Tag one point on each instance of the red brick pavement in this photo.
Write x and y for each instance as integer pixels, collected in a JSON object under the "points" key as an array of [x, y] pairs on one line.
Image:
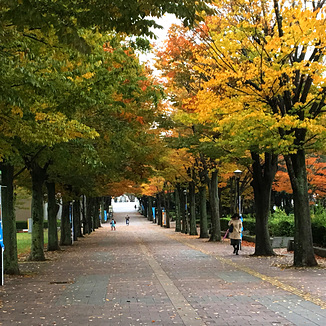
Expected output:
{"points": [[143, 274]]}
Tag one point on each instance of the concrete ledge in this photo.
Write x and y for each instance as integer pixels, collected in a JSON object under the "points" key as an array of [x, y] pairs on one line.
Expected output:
{"points": [[317, 250], [280, 242], [288, 243], [320, 251]]}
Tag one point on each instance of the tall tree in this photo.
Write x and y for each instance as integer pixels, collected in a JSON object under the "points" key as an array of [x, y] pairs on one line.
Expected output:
{"points": [[267, 60], [53, 242], [262, 184], [38, 175], [68, 17], [215, 234], [10, 258]]}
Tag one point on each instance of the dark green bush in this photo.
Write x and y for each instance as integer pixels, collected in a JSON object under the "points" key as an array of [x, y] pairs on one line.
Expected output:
{"points": [[224, 223], [319, 234], [281, 228], [20, 225], [318, 226], [248, 224], [281, 225]]}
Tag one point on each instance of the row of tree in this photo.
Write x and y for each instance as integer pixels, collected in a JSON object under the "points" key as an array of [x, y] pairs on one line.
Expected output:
{"points": [[248, 85], [76, 106], [81, 115]]}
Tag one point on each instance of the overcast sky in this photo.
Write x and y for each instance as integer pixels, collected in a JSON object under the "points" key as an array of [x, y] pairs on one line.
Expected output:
{"points": [[166, 21]]}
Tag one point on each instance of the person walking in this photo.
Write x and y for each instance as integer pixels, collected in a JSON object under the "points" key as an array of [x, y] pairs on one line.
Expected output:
{"points": [[127, 219], [235, 227], [112, 224]]}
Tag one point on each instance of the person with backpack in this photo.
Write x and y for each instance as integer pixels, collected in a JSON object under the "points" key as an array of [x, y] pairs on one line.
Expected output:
{"points": [[113, 223], [235, 228]]}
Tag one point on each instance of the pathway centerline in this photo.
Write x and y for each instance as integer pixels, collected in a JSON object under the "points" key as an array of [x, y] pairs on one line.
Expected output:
{"points": [[186, 312]]}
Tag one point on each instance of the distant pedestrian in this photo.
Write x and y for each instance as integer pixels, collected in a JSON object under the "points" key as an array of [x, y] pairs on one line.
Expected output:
{"points": [[127, 219], [235, 227], [113, 223], [135, 206]]}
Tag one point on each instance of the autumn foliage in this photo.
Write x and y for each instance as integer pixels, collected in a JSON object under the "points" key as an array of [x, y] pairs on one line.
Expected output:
{"points": [[316, 173]]}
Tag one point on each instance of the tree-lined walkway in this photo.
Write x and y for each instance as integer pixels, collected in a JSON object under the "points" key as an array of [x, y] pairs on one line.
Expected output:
{"points": [[143, 274]]}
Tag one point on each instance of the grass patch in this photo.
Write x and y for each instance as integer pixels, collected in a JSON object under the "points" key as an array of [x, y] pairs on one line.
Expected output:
{"points": [[24, 241]]}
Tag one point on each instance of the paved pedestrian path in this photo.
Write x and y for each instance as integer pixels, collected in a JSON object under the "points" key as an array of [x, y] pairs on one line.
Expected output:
{"points": [[143, 274]]}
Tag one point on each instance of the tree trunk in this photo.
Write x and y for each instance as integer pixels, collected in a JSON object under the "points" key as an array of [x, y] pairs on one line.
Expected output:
{"points": [[150, 208], [37, 247], [65, 239], [159, 209], [203, 213], [96, 213], [303, 242], [183, 210], [192, 196], [145, 206], [77, 220], [107, 204], [89, 211], [263, 177], [177, 209], [53, 243], [84, 216], [214, 204], [167, 209], [102, 199], [74, 218], [10, 258]]}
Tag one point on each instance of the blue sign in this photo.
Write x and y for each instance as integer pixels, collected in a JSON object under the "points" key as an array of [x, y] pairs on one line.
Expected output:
{"points": [[153, 209], [105, 216], [1, 237], [70, 213]]}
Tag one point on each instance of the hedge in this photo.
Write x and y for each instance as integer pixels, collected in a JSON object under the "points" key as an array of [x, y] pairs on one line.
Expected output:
{"points": [[282, 225], [21, 225], [248, 224]]}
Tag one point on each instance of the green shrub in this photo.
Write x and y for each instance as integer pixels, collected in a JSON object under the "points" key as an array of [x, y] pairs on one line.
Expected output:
{"points": [[20, 225], [281, 224], [248, 224], [318, 226], [319, 234], [172, 215], [281, 228], [224, 223]]}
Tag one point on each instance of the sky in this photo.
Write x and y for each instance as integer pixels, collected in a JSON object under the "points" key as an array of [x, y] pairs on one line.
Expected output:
{"points": [[166, 21]]}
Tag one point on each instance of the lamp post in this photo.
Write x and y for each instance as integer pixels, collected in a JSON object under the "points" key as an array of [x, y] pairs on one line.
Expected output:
{"points": [[237, 174]]}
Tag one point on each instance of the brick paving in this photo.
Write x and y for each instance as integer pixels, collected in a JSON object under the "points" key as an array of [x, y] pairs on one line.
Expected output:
{"points": [[143, 274]]}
